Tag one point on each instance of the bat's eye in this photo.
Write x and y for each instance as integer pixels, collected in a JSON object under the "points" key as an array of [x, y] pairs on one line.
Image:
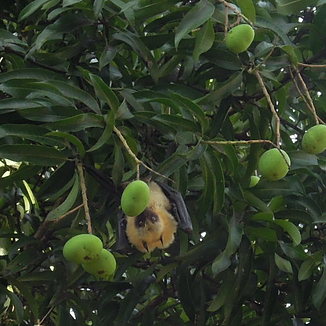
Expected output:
{"points": [[153, 218], [140, 223]]}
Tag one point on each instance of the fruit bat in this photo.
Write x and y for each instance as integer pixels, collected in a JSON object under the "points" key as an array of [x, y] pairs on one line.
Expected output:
{"points": [[157, 225]]}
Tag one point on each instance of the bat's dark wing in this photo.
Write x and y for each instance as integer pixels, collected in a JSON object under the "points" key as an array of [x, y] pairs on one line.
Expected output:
{"points": [[179, 208], [123, 246]]}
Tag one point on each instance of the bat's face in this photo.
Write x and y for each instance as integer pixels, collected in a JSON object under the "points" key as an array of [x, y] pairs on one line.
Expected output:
{"points": [[148, 221], [155, 227]]}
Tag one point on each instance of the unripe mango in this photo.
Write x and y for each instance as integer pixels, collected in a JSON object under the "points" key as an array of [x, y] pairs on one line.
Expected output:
{"points": [[239, 38], [314, 140], [103, 266], [82, 248], [253, 181], [135, 198], [274, 164]]}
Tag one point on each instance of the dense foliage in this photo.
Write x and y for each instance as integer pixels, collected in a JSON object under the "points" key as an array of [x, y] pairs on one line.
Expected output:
{"points": [[79, 76]]}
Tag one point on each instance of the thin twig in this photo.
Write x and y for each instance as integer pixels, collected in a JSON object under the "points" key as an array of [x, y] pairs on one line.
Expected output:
{"points": [[238, 142], [271, 105], [307, 94], [301, 93], [134, 157], [311, 65], [237, 22], [45, 316], [45, 225], [228, 5], [226, 20], [84, 196]]}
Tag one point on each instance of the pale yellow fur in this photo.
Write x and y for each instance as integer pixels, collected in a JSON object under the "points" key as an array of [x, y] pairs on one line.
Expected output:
{"points": [[152, 233]]}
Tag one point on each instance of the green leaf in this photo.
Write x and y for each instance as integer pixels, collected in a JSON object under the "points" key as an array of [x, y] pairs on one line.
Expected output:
{"points": [[77, 122], [272, 25], [290, 50], [67, 204], [319, 291], [195, 17], [106, 133], [223, 89], [276, 203], [291, 229], [118, 165], [36, 154], [25, 131], [291, 7], [262, 216], [29, 73], [176, 122], [98, 6], [248, 9], [261, 233], [255, 201], [136, 44], [76, 93], [24, 172], [104, 92], [306, 269], [10, 104], [223, 294], [31, 8], [64, 24], [222, 262], [204, 39], [71, 138], [215, 167], [283, 264], [18, 307], [30, 193], [171, 164]]}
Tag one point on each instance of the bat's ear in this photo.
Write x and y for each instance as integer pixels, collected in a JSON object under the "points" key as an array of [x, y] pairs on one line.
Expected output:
{"points": [[122, 246], [179, 207]]}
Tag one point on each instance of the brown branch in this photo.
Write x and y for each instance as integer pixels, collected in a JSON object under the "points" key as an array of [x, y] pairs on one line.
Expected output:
{"points": [[271, 105], [308, 97], [300, 92], [238, 142], [134, 157], [311, 65], [84, 196], [226, 21], [46, 224]]}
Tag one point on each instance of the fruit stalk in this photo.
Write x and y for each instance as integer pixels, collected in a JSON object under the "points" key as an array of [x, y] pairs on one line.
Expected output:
{"points": [[228, 5], [84, 197]]}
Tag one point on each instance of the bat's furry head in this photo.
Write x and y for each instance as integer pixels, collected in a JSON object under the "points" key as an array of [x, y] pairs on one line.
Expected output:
{"points": [[148, 221]]}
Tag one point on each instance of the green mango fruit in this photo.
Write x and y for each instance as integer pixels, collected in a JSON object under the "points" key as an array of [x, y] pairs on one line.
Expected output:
{"points": [[274, 164], [239, 38], [253, 181], [314, 140], [82, 248], [135, 198], [103, 266]]}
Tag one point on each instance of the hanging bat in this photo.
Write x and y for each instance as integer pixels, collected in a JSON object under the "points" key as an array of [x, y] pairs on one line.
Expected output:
{"points": [[157, 225]]}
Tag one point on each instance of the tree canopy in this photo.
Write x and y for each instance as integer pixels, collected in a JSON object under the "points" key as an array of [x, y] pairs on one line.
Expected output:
{"points": [[93, 93]]}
